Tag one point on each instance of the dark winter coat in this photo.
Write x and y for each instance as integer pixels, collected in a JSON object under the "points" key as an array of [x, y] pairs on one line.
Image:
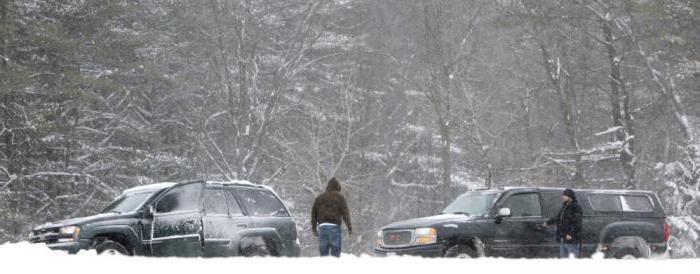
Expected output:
{"points": [[330, 207], [569, 222]]}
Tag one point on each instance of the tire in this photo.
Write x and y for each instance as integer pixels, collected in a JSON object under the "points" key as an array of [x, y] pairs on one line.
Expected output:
{"points": [[628, 253], [461, 252], [109, 247], [254, 247], [256, 251]]}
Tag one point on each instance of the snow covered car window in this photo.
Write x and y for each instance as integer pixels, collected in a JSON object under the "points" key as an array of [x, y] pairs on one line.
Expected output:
{"points": [[215, 202], [233, 207], [262, 203], [634, 203], [180, 198]]}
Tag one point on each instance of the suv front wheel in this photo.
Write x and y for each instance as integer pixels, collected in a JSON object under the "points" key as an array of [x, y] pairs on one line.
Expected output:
{"points": [[461, 252], [108, 247]]}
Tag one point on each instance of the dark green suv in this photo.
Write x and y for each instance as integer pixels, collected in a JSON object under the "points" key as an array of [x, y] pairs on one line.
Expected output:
{"points": [[191, 219]]}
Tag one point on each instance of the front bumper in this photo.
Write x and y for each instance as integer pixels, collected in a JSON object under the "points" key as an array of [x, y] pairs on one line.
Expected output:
{"points": [[71, 247], [434, 250]]}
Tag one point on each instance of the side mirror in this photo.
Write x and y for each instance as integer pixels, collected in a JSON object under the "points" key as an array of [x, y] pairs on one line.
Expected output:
{"points": [[148, 211], [504, 212]]}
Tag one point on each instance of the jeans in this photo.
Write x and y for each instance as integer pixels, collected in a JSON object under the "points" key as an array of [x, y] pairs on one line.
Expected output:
{"points": [[567, 250], [329, 240]]}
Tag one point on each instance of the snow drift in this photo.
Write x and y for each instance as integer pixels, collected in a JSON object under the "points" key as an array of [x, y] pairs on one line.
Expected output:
{"points": [[25, 257]]}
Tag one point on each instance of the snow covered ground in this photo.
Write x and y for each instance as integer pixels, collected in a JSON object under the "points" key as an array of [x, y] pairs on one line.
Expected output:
{"points": [[27, 258]]}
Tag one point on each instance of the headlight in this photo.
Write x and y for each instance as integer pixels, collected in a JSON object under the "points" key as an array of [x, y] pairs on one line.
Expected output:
{"points": [[425, 235], [68, 233], [379, 238]]}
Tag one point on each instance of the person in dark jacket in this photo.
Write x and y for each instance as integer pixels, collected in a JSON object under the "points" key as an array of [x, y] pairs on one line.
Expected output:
{"points": [[569, 224], [327, 215]]}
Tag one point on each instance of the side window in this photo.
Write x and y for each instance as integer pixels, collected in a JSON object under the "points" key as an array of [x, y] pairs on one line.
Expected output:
{"points": [[636, 203], [215, 201], [524, 205], [262, 203], [180, 198], [605, 202], [552, 203], [233, 207]]}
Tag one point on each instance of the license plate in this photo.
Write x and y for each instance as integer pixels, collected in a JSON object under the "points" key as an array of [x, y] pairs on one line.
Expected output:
{"points": [[390, 254]]}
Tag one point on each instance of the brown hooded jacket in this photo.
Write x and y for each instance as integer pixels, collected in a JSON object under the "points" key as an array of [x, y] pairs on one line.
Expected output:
{"points": [[330, 207]]}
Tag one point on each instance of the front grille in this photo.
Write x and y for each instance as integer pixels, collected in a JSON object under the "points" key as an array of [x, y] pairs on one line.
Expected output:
{"points": [[49, 236], [397, 238]]}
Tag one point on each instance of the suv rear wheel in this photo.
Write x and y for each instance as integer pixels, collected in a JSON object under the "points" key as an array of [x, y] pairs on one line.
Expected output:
{"points": [[255, 247], [109, 247], [460, 251], [626, 253]]}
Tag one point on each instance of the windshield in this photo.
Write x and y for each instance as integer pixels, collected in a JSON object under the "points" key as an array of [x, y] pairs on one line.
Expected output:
{"points": [[127, 202], [475, 203]]}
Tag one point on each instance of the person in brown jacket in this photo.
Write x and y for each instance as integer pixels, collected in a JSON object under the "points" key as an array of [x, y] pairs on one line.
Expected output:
{"points": [[327, 215]]}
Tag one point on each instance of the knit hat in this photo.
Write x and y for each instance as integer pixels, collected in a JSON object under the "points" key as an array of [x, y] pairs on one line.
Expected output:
{"points": [[569, 193]]}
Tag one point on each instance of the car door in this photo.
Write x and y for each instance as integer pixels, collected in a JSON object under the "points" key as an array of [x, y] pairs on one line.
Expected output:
{"points": [[551, 204], [520, 235], [267, 211], [177, 222], [223, 219]]}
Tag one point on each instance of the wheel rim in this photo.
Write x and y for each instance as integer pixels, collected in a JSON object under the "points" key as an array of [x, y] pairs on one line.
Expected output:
{"points": [[111, 252], [463, 256], [628, 257]]}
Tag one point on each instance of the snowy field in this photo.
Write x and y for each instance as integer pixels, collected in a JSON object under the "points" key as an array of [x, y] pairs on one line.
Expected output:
{"points": [[28, 258]]}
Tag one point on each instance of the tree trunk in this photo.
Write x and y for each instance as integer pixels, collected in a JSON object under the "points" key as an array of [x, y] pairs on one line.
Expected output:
{"points": [[621, 117], [567, 103]]}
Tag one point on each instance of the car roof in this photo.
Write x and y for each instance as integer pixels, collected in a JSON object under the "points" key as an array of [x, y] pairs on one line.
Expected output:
{"points": [[234, 183], [164, 185], [149, 187], [602, 191]]}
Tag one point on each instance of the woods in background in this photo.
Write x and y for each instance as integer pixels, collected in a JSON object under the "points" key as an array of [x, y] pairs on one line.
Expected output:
{"points": [[409, 103]]}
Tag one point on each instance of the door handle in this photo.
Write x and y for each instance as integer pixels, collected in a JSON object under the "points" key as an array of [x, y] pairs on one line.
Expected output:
{"points": [[539, 227], [242, 225]]}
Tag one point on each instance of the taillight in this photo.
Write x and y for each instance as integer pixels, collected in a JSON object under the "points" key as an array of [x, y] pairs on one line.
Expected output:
{"points": [[667, 231]]}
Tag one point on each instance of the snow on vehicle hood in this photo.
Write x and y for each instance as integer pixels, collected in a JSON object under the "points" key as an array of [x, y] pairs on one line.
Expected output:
{"points": [[78, 221], [430, 221]]}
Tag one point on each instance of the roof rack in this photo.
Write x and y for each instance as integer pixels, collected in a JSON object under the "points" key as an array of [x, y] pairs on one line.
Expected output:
{"points": [[236, 183]]}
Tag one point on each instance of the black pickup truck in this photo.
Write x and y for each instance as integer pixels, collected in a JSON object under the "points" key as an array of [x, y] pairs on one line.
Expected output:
{"points": [[191, 219], [506, 222]]}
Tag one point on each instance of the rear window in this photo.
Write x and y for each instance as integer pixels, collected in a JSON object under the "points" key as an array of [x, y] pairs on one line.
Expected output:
{"points": [[215, 202], [605, 202], [636, 203], [620, 203], [261, 202]]}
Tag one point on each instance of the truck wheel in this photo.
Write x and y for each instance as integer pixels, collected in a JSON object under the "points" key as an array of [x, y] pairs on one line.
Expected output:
{"points": [[461, 252], [111, 248], [626, 253]]}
